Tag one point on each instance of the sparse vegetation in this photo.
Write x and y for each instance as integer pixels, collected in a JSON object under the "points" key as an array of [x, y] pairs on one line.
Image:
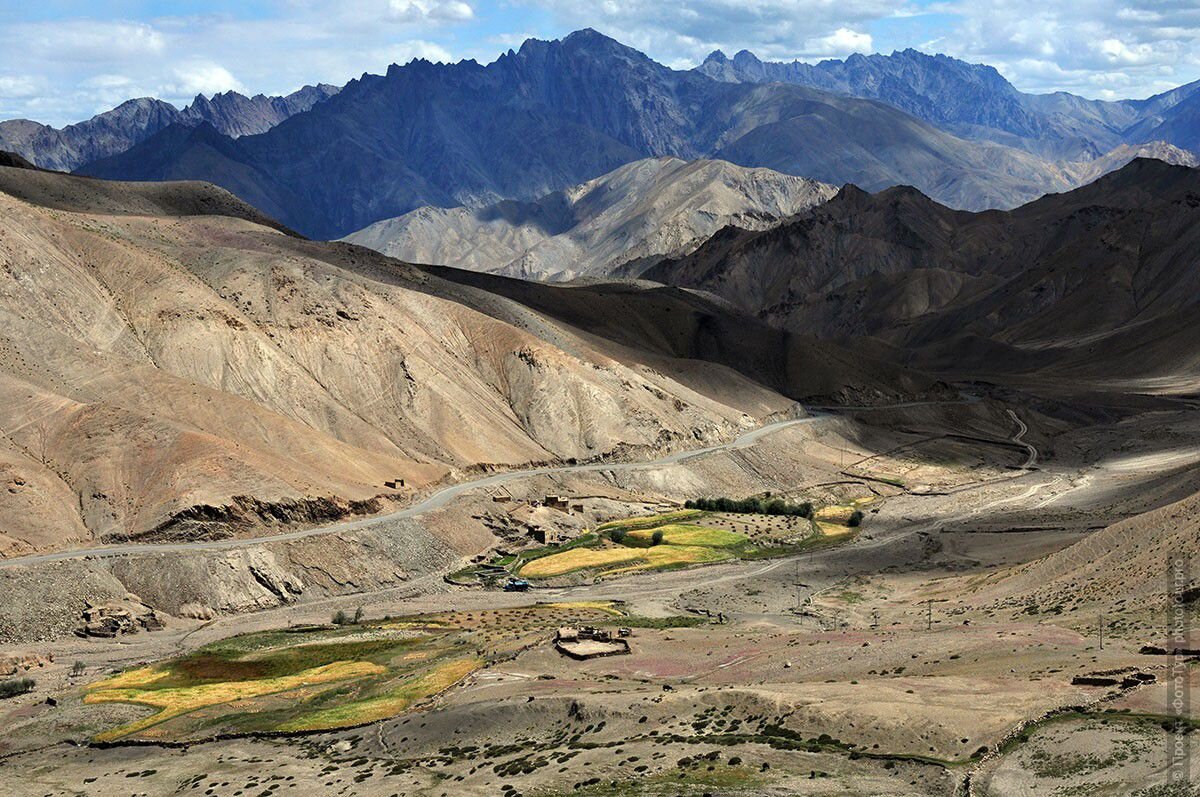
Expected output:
{"points": [[16, 686]]}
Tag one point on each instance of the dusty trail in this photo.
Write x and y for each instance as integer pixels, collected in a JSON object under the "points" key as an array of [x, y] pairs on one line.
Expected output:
{"points": [[443, 497], [429, 504]]}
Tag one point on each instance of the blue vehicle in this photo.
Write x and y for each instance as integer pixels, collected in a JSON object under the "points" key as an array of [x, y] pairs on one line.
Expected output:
{"points": [[516, 585]]}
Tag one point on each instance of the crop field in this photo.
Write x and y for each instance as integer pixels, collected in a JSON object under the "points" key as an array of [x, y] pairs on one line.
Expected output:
{"points": [[325, 677], [621, 559], [683, 539], [689, 534]]}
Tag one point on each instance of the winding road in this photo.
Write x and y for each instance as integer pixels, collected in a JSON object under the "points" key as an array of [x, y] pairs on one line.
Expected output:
{"points": [[1019, 439], [429, 504]]}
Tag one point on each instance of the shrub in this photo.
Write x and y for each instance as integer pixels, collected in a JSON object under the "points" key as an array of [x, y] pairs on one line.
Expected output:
{"points": [[17, 686], [856, 518], [657, 537], [618, 535], [339, 618], [78, 668]]}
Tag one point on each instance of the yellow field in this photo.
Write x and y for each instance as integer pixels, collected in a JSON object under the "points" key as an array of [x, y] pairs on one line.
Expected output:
{"points": [[136, 687], [387, 705], [671, 555], [833, 529], [690, 534], [620, 560]]}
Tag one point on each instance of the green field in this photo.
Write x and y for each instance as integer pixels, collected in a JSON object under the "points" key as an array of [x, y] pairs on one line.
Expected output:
{"points": [[629, 546], [688, 534]]}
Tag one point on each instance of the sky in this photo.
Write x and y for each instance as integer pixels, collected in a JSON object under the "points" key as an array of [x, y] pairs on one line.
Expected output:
{"points": [[62, 62]]}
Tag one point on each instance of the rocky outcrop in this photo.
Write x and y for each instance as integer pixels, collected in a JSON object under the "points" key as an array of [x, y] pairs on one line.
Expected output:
{"points": [[19, 662], [243, 513]]}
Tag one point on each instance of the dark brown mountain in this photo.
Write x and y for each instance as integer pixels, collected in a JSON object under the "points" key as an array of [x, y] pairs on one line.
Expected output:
{"points": [[1103, 279]]}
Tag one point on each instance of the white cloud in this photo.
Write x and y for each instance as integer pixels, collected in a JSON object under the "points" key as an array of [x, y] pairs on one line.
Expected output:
{"points": [[840, 43], [13, 86], [420, 10], [402, 52], [1119, 52], [86, 40], [202, 77]]}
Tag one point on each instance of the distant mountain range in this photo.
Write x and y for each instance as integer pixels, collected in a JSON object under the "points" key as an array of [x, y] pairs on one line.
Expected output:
{"points": [[1098, 283], [975, 101], [134, 121], [560, 113], [644, 210]]}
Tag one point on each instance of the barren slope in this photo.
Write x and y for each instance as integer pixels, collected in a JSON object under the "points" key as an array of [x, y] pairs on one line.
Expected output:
{"points": [[156, 364], [653, 207]]}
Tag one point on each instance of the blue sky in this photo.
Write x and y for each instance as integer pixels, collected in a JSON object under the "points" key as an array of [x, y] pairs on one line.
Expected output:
{"points": [[64, 61]]}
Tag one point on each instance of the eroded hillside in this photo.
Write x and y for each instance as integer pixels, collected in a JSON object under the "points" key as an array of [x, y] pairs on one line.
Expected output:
{"points": [[165, 352]]}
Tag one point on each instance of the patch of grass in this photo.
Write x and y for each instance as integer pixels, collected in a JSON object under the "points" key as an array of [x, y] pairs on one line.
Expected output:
{"points": [[688, 534], [673, 621], [389, 704]]}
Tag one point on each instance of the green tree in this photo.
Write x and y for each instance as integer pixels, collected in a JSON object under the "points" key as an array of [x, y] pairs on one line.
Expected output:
{"points": [[657, 537]]}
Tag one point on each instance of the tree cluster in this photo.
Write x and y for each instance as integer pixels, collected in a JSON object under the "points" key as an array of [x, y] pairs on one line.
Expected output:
{"points": [[751, 506]]}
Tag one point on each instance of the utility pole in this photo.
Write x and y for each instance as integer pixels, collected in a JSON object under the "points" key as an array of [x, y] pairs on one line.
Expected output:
{"points": [[929, 615], [1102, 630]]}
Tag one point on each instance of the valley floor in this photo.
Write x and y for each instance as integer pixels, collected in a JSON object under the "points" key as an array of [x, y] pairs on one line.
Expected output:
{"points": [[949, 646]]}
